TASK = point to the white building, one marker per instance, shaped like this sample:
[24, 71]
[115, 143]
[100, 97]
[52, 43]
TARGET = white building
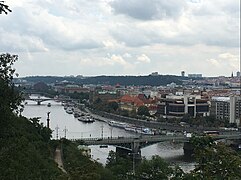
[179, 105]
[195, 75]
[227, 108]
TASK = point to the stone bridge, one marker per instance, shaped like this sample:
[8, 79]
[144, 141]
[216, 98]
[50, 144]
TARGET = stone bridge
[39, 100]
[134, 145]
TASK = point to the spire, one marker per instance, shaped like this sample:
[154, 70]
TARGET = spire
[232, 75]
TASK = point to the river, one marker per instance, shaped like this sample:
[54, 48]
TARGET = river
[64, 124]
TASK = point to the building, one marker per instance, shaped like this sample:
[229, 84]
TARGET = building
[179, 105]
[228, 108]
[104, 95]
[129, 103]
[133, 102]
[183, 73]
[238, 74]
[71, 88]
[195, 75]
[154, 74]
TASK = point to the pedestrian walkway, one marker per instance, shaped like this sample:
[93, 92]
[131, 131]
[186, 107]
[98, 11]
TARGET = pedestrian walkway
[58, 159]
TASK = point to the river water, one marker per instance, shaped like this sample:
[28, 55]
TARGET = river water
[64, 124]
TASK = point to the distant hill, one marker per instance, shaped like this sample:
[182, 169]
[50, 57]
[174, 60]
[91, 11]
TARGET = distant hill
[112, 80]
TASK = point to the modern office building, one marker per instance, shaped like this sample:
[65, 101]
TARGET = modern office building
[228, 108]
[179, 105]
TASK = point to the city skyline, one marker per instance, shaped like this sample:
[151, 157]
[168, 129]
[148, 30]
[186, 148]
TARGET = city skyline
[120, 37]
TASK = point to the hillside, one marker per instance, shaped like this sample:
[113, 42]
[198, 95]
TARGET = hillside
[160, 80]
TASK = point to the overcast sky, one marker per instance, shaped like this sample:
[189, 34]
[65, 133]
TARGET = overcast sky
[122, 37]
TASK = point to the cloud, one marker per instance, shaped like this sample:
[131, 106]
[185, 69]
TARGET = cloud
[122, 37]
[228, 56]
[119, 60]
[127, 55]
[226, 60]
[149, 10]
[15, 42]
[187, 31]
[55, 28]
[214, 62]
[144, 58]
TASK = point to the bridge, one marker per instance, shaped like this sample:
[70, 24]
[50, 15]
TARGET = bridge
[39, 100]
[134, 145]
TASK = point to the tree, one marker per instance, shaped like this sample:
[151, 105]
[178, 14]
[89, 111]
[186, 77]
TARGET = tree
[113, 105]
[143, 110]
[40, 86]
[215, 161]
[4, 8]
[153, 169]
[186, 118]
[119, 166]
[79, 166]
[10, 99]
[201, 143]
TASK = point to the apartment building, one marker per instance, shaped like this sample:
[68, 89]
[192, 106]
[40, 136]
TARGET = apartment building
[227, 108]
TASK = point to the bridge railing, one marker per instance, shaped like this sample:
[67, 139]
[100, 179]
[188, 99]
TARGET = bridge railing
[104, 138]
[150, 138]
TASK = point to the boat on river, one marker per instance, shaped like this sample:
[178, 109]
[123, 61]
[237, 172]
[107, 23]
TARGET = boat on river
[76, 114]
[69, 110]
[117, 124]
[86, 119]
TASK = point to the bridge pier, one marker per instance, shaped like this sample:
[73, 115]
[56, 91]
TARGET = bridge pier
[38, 102]
[122, 152]
[188, 149]
[134, 152]
[236, 145]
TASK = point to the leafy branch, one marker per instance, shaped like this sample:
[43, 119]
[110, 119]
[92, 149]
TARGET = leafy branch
[4, 8]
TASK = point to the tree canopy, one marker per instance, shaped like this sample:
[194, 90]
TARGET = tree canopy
[215, 160]
[143, 110]
[10, 99]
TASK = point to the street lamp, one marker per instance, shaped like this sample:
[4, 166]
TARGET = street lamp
[48, 113]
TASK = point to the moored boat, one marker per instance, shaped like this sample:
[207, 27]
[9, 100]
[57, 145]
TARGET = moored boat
[86, 119]
[69, 110]
[76, 114]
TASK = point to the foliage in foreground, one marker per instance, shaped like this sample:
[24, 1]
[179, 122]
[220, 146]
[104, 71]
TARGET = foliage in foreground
[155, 168]
[215, 161]
[25, 151]
[81, 167]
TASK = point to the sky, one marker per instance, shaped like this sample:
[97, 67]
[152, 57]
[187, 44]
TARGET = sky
[122, 37]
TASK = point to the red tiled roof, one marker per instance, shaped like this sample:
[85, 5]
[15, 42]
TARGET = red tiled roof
[131, 99]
